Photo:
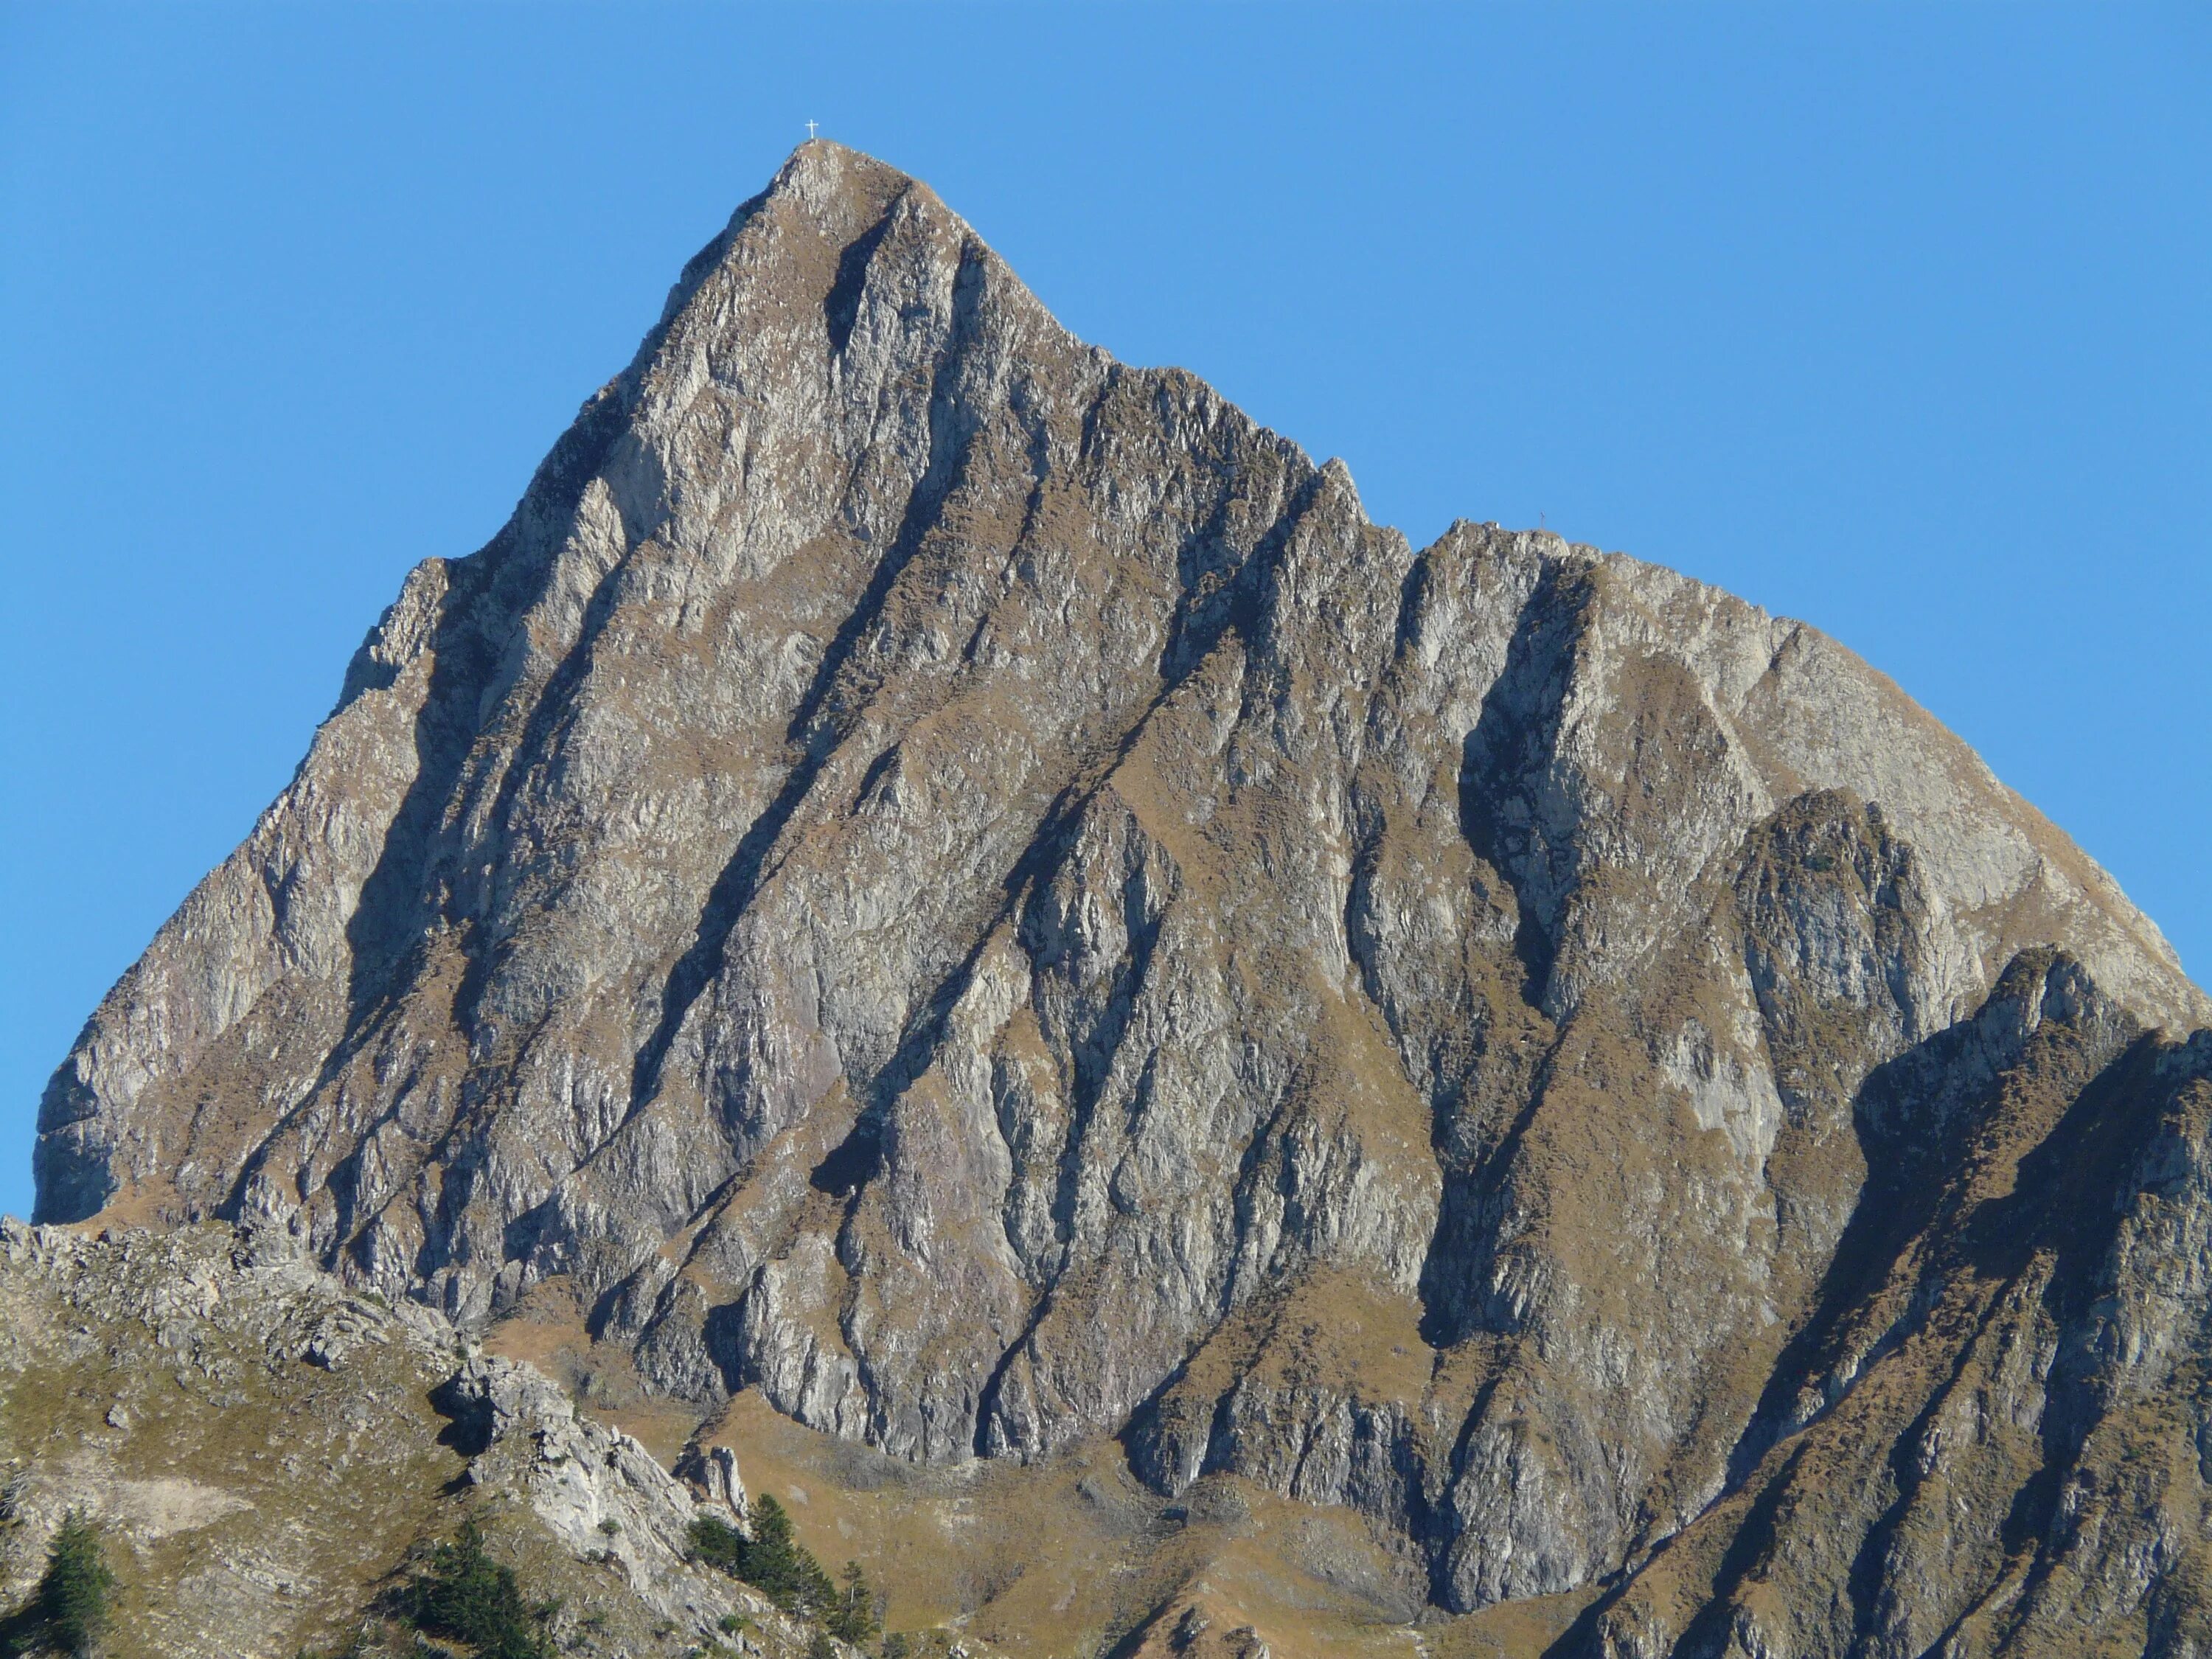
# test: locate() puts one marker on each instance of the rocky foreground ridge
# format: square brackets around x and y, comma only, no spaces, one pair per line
[963,888]
[265,1452]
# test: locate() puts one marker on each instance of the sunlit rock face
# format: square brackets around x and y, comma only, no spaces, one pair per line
[965,886]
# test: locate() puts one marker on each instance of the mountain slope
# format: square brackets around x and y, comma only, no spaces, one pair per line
[965,887]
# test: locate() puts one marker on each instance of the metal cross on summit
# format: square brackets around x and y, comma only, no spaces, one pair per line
[810,131]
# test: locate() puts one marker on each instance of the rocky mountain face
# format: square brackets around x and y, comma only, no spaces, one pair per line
[965,887]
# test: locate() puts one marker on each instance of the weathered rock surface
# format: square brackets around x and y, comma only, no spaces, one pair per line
[965,886]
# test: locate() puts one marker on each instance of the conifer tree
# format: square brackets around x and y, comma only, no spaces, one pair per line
[73,1597]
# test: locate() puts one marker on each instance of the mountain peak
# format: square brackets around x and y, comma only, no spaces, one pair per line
[838,184]
[962,890]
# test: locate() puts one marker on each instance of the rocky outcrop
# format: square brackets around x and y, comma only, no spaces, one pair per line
[965,886]
[263,1453]
[594,1489]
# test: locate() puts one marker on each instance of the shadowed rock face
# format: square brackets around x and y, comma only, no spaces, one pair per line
[966,886]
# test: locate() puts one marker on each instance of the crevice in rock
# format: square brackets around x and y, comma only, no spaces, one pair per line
[841,306]
[1505,766]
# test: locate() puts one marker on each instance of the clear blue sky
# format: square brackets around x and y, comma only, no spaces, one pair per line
[1891,318]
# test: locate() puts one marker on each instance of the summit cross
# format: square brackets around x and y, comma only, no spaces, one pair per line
[810,131]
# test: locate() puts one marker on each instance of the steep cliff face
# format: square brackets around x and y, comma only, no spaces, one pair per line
[964,886]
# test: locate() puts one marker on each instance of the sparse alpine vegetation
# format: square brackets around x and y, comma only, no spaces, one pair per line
[224,1452]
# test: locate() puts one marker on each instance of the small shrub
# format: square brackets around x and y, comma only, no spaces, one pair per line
[611,1526]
